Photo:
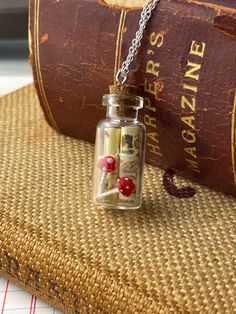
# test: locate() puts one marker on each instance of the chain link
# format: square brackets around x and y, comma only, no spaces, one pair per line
[122,73]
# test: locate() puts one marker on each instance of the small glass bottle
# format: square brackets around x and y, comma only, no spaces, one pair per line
[119,151]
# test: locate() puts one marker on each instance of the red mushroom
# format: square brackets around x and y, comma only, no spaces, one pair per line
[124,185]
[106,164]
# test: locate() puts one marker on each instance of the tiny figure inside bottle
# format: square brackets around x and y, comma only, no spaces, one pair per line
[119,152]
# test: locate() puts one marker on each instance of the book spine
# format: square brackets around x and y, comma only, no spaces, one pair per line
[185,71]
[24,266]
[66,283]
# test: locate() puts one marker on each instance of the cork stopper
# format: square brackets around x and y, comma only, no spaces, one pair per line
[123,90]
[123,100]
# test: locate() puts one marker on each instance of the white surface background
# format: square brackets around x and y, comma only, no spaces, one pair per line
[15,70]
[14,74]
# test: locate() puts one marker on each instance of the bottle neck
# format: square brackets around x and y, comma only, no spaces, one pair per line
[122,107]
[119,112]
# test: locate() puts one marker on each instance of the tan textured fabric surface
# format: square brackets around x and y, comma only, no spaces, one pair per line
[172,256]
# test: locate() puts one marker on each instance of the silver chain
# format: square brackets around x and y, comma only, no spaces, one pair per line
[122,73]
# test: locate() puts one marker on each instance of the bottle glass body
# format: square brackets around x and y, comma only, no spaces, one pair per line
[119,154]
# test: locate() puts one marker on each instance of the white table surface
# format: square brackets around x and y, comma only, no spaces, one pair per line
[14,74]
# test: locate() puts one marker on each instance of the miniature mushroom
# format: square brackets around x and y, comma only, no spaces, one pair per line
[106,164]
[124,185]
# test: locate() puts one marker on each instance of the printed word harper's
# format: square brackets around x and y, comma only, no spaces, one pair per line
[152,87]
[189,103]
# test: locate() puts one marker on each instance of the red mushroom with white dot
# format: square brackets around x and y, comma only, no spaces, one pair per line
[106,164]
[125,186]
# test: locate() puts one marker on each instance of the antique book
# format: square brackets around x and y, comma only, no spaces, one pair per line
[171,256]
[185,70]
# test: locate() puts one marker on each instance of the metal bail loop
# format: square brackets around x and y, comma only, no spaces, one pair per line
[120,77]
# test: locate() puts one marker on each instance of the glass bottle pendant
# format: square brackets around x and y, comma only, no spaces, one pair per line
[119,151]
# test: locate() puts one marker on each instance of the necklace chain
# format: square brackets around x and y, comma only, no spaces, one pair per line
[122,73]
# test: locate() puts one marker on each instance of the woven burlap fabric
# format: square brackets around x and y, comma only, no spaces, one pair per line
[171,256]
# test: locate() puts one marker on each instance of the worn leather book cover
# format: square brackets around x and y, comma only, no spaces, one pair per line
[185,70]
[170,256]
